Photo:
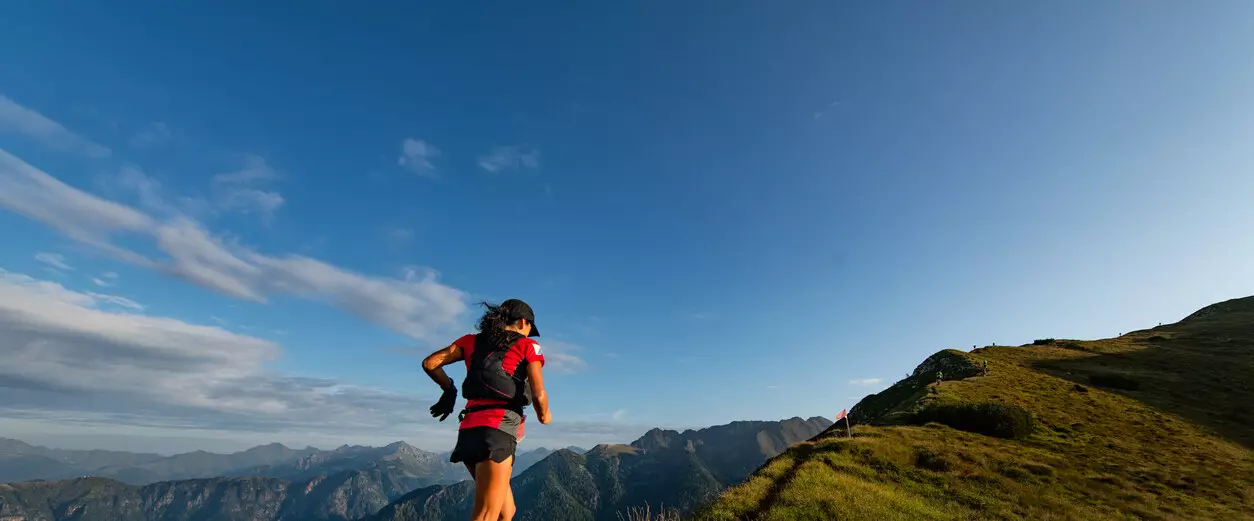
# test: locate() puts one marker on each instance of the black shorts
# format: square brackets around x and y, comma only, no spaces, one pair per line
[481,443]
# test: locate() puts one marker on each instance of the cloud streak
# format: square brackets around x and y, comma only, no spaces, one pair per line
[154,135]
[241,190]
[56,260]
[418,306]
[21,120]
[863,382]
[560,356]
[416,156]
[514,157]
[69,351]
[397,237]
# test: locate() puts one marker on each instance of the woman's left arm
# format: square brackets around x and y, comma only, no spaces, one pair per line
[535,376]
[434,365]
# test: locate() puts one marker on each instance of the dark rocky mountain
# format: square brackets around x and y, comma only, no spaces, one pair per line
[524,460]
[343,496]
[664,468]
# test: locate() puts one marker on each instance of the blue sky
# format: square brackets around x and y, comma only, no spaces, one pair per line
[233,224]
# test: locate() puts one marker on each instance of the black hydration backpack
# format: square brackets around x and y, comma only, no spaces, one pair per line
[486,378]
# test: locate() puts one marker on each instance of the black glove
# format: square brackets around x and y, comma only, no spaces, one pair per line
[444,407]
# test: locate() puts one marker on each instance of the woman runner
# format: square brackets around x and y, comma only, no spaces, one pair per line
[503,375]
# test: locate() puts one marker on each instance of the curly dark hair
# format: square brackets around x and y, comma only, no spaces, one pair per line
[493,321]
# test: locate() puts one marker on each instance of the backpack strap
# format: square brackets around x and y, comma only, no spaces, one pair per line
[461,416]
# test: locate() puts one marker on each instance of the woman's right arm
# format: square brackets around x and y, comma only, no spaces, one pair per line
[535,375]
[435,362]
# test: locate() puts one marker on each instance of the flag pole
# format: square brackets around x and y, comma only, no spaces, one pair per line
[848,434]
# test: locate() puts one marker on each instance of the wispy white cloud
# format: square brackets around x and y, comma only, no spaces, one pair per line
[513,157]
[107,279]
[417,306]
[865,381]
[153,135]
[397,237]
[416,156]
[820,114]
[56,260]
[559,356]
[21,120]
[29,191]
[102,299]
[241,190]
[255,169]
[70,357]
[701,315]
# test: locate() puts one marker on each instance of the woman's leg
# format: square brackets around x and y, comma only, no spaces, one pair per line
[508,510]
[491,489]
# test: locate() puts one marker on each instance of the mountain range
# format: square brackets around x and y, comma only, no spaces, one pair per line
[679,470]
[20,461]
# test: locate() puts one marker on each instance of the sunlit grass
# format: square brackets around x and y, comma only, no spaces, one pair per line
[1166,441]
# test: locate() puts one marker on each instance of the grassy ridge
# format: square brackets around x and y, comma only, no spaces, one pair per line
[1173,444]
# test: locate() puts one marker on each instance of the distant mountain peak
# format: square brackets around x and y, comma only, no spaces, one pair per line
[656,438]
[610,449]
[269,447]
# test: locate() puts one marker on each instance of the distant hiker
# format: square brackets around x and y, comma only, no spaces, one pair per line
[940,377]
[985,371]
[503,376]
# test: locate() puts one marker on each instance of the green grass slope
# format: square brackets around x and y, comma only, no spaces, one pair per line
[1155,424]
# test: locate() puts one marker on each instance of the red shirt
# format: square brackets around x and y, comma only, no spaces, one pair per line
[524,350]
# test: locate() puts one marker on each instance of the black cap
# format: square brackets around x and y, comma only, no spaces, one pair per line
[515,309]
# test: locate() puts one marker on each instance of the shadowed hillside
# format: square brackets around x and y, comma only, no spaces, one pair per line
[1154,424]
